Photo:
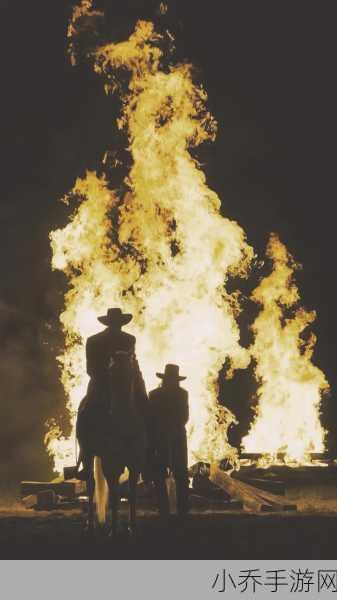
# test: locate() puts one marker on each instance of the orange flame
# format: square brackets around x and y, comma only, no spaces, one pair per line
[290,389]
[163,252]
[165,255]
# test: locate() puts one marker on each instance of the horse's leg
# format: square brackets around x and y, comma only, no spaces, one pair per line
[162,493]
[113,483]
[88,465]
[133,478]
[112,479]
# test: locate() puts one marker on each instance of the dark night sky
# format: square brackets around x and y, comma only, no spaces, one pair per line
[269,69]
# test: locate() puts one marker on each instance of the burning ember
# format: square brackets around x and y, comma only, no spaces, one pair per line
[161,250]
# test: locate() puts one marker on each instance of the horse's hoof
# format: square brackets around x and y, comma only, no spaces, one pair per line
[133,531]
[88,530]
[113,533]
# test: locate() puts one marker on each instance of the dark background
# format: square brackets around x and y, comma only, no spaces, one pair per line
[269,69]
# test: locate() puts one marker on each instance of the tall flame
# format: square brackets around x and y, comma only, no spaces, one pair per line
[290,389]
[161,250]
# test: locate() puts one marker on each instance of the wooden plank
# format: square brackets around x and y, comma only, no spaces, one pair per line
[229,505]
[46,500]
[203,503]
[204,487]
[252,498]
[70,488]
[29,501]
[224,481]
[289,475]
[274,508]
[274,486]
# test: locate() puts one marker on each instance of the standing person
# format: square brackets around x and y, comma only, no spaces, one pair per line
[168,416]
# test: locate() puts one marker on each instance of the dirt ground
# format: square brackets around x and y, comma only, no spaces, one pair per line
[309,533]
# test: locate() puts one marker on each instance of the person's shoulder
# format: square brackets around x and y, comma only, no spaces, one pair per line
[128,338]
[97,337]
[153,394]
[183,392]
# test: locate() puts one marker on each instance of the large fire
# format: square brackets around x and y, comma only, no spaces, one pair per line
[290,389]
[167,254]
[162,251]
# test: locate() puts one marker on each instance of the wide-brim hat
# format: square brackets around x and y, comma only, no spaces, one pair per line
[115,316]
[171,373]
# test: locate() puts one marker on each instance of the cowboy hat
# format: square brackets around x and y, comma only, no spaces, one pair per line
[171,372]
[115,316]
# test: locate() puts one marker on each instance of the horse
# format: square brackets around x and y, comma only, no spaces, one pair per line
[111,431]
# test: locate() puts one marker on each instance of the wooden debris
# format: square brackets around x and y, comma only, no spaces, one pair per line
[68,504]
[204,487]
[252,498]
[284,507]
[29,501]
[217,505]
[70,489]
[199,502]
[274,486]
[204,491]
[46,500]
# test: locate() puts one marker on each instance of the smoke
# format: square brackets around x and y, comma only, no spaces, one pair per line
[30,392]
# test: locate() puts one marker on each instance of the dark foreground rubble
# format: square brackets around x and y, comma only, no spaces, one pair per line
[236,517]
[204,535]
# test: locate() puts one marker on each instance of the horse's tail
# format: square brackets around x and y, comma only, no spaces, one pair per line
[101,491]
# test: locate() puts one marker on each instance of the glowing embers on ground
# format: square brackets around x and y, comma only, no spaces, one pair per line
[289,396]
